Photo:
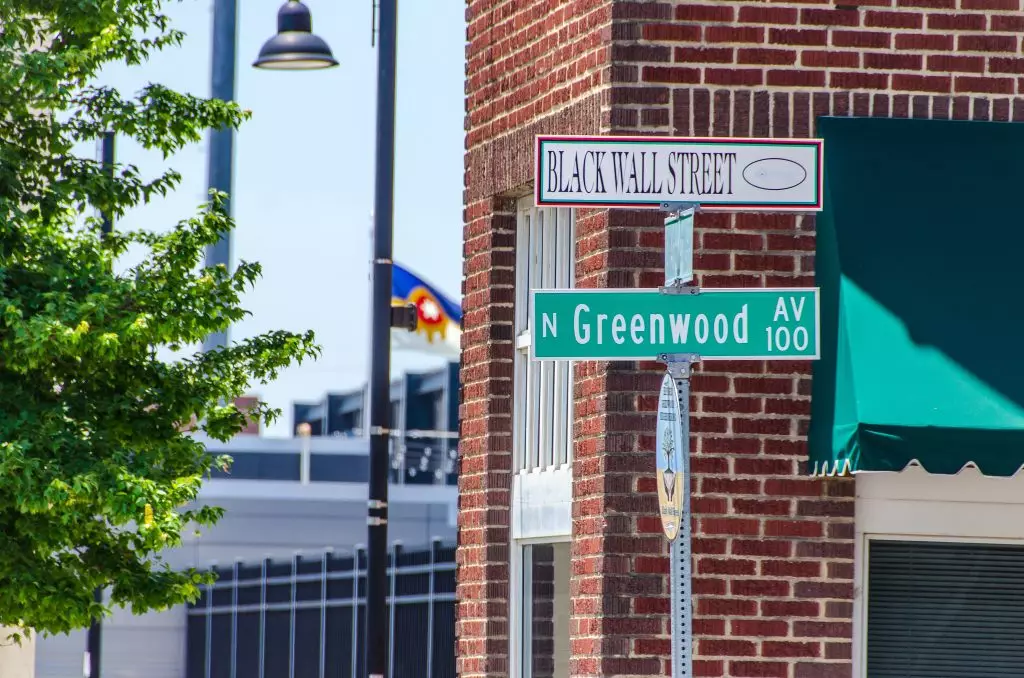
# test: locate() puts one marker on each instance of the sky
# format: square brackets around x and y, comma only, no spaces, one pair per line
[304,168]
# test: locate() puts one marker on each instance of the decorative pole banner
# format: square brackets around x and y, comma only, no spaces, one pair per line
[439,318]
[670,463]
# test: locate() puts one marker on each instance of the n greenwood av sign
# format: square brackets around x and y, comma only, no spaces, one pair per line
[717,324]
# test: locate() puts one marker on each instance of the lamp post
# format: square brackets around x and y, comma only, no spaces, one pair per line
[94,638]
[221,151]
[294,47]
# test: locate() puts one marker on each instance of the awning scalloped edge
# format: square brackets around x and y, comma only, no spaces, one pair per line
[837,468]
[844,468]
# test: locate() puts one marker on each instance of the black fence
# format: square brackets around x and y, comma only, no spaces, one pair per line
[305,618]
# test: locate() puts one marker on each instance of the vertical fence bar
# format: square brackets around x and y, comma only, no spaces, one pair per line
[234,620]
[263,616]
[291,631]
[435,546]
[355,610]
[323,615]
[403,451]
[396,550]
[209,626]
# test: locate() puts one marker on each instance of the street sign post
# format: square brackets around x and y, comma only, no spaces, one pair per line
[678,324]
[717,173]
[636,324]
[681,574]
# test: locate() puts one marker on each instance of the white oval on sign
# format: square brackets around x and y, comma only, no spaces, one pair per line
[774,174]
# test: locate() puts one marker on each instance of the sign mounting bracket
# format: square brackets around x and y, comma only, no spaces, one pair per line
[680,365]
[679,247]
[680,206]
[691,290]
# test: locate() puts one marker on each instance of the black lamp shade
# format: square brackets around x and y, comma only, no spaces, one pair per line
[295,47]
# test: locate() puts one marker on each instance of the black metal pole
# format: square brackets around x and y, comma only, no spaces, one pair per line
[94,641]
[94,644]
[380,348]
[107,158]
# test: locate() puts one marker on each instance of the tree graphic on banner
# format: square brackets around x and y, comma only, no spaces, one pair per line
[669,476]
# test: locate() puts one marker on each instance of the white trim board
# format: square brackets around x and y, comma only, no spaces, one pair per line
[542,503]
[915,502]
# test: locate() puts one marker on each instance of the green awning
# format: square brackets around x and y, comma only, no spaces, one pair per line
[920,260]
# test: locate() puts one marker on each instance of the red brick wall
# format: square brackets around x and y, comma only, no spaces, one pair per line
[485,442]
[245,403]
[527,58]
[252,426]
[532,66]
[773,548]
[885,50]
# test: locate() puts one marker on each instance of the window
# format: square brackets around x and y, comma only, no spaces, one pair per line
[542,457]
[944,608]
[545,622]
[542,406]
[545,259]
[440,412]
[938,583]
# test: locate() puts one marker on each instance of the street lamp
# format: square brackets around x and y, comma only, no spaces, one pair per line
[294,47]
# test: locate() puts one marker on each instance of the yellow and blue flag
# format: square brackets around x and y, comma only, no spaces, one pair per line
[439,318]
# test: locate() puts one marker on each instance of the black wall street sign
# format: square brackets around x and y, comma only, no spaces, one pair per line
[734,174]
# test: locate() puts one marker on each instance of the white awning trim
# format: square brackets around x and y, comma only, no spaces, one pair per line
[844,468]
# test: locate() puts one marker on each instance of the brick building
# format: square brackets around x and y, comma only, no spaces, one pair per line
[860,516]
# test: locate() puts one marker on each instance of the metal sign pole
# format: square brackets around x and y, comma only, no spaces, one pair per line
[786,321]
[679,367]
[678,280]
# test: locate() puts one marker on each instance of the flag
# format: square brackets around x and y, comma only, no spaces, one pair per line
[439,318]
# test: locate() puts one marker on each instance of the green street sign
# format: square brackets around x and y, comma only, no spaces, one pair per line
[716,324]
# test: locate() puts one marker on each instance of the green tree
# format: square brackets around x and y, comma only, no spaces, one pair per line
[98,468]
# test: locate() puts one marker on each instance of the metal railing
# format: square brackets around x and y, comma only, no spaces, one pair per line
[417,457]
[424,457]
[304,618]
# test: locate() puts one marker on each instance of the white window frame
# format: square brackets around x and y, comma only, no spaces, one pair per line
[915,505]
[542,472]
[542,444]
[520,637]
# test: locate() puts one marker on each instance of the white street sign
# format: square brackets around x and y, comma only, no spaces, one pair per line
[765,175]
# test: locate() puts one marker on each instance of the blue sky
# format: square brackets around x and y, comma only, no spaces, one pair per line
[303,191]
